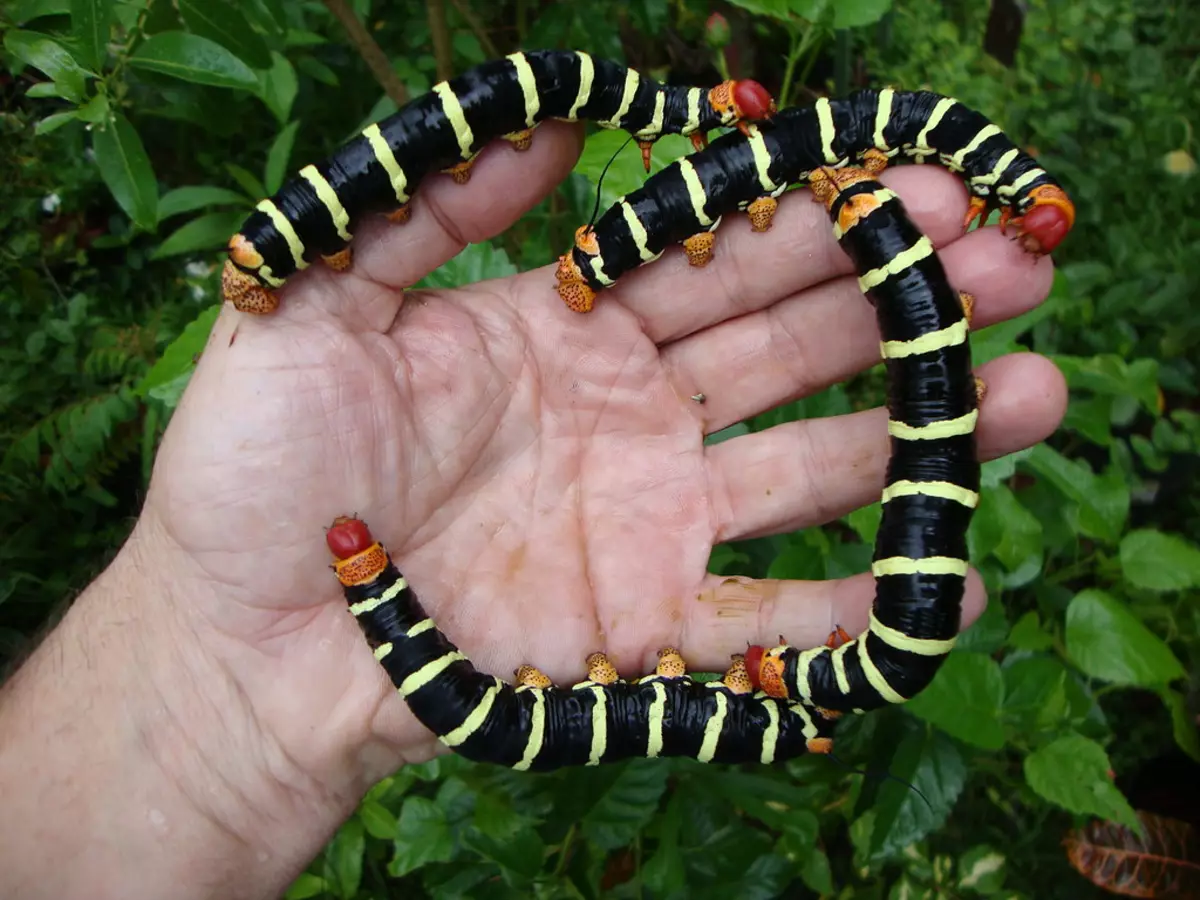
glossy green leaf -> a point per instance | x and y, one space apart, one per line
378 820
1073 772
931 763
857 13
627 805
222 22
422 836
476 262
125 168
816 872
1103 501
1021 532
1028 634
194 197
964 700
246 180
305 886
1159 561
981 869
208 232
278 157
55 122
664 870
27 10
41 52
190 57
91 21
181 354
1183 723
519 855
1035 694
1107 641
277 86
626 172
344 857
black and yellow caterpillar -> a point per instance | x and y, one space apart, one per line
771 704
684 203
315 213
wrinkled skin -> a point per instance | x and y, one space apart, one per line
541 477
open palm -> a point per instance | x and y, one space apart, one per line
541 476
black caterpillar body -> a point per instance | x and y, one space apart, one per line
776 703
315 213
685 201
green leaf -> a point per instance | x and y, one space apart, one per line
931 763
1035 694
222 22
181 354
1103 500
664 871
1160 562
626 172
39 51
1028 634
1073 772
857 13
519 855
1183 725
1107 641
317 70
816 872
305 886
126 170
28 10
207 232
1020 532
476 262
194 197
964 700
248 182
378 820
90 24
981 869
422 836
277 87
277 158
55 122
628 804
189 57
345 857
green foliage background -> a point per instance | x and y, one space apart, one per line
137 134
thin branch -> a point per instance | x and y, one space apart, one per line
476 26
370 51
441 38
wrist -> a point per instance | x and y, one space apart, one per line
134 750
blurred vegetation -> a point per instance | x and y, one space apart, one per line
137 134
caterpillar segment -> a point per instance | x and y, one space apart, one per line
869 129
533 725
932 483
316 213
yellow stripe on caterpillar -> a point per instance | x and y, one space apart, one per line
875 677
934 430
949 336
909 644
897 264
537 731
284 227
475 719
387 159
943 489
712 730
528 83
328 197
457 119
428 672
930 565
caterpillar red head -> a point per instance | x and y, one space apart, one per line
766 668
1049 218
742 101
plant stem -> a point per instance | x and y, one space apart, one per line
440 34
370 51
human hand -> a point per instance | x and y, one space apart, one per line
539 476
